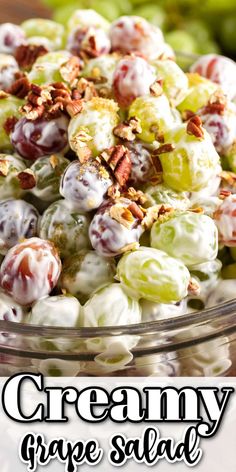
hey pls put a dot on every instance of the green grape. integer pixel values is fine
(231, 157)
(65, 227)
(228, 33)
(59, 3)
(198, 29)
(175, 81)
(9, 108)
(154, 113)
(48, 171)
(87, 17)
(45, 28)
(153, 275)
(9, 183)
(209, 47)
(104, 66)
(182, 41)
(152, 13)
(214, 6)
(110, 10)
(192, 163)
(86, 272)
(162, 194)
(191, 237)
(200, 90)
(111, 306)
(47, 68)
(97, 120)
(64, 12)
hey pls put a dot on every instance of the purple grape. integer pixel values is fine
(142, 169)
(110, 237)
(18, 220)
(11, 36)
(36, 138)
(90, 41)
(85, 185)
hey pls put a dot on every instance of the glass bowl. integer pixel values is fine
(196, 344)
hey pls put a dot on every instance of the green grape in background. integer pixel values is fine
(153, 13)
(110, 10)
(228, 33)
(223, 6)
(63, 13)
(182, 41)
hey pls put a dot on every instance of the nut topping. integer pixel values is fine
(27, 179)
(194, 127)
(27, 54)
(168, 147)
(128, 129)
(70, 70)
(79, 144)
(20, 88)
(4, 167)
(118, 159)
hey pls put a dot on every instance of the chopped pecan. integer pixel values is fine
(60, 91)
(159, 136)
(86, 89)
(197, 209)
(4, 167)
(3, 94)
(193, 287)
(79, 145)
(118, 159)
(228, 177)
(122, 215)
(128, 129)
(9, 124)
(74, 107)
(216, 104)
(168, 147)
(156, 212)
(135, 195)
(224, 194)
(54, 161)
(187, 114)
(114, 191)
(27, 54)
(136, 211)
(32, 113)
(27, 179)
(70, 70)
(20, 88)
(156, 88)
(194, 127)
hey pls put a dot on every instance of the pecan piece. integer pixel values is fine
(3, 94)
(136, 211)
(194, 127)
(4, 167)
(20, 88)
(74, 107)
(156, 88)
(79, 145)
(27, 54)
(154, 213)
(122, 215)
(193, 287)
(70, 70)
(128, 129)
(27, 179)
(118, 159)
(9, 124)
(168, 147)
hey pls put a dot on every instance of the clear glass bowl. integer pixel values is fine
(196, 344)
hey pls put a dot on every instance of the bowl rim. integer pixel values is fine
(187, 320)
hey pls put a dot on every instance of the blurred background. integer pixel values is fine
(190, 26)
